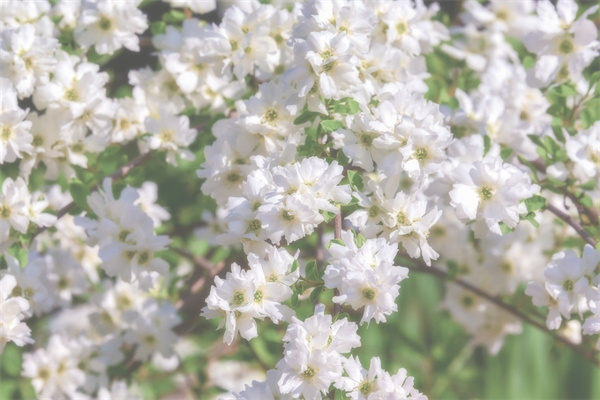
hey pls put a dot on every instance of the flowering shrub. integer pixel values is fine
(234, 203)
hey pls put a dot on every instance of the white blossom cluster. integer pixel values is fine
(487, 182)
(314, 360)
(317, 109)
(570, 286)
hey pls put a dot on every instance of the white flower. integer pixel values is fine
(233, 299)
(26, 58)
(171, 133)
(13, 213)
(15, 135)
(583, 150)
(365, 276)
(109, 25)
(360, 383)
(147, 202)
(12, 309)
(490, 191)
(565, 280)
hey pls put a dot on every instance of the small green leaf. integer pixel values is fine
(331, 125)
(535, 203)
(360, 240)
(355, 179)
(295, 266)
(341, 316)
(537, 140)
(353, 106)
(174, 16)
(506, 152)
(316, 292)
(328, 215)
(295, 301)
(336, 241)
(589, 185)
(311, 270)
(342, 159)
(158, 28)
(79, 193)
(305, 116)
(505, 228)
(486, 144)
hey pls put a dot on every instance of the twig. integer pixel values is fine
(574, 224)
(589, 355)
(118, 174)
(337, 232)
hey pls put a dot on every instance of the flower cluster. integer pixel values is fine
(365, 276)
(257, 293)
(468, 152)
(570, 286)
(125, 236)
(19, 208)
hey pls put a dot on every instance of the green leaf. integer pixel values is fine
(342, 159)
(295, 266)
(311, 271)
(535, 203)
(537, 140)
(158, 28)
(558, 132)
(589, 185)
(295, 301)
(316, 292)
(336, 241)
(328, 215)
(506, 152)
(341, 316)
(486, 144)
(355, 180)
(174, 16)
(305, 117)
(331, 125)
(353, 106)
(79, 193)
(505, 228)
(360, 240)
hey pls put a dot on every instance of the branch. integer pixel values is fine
(574, 224)
(591, 213)
(118, 174)
(337, 232)
(589, 355)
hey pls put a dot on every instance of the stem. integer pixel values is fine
(589, 355)
(337, 232)
(574, 224)
(118, 174)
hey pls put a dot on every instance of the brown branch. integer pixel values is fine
(198, 288)
(337, 232)
(118, 174)
(571, 222)
(589, 355)
(591, 213)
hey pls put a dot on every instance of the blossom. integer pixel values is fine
(110, 25)
(12, 309)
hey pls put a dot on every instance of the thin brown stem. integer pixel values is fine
(572, 223)
(589, 355)
(337, 232)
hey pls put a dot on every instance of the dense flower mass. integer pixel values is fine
(184, 180)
